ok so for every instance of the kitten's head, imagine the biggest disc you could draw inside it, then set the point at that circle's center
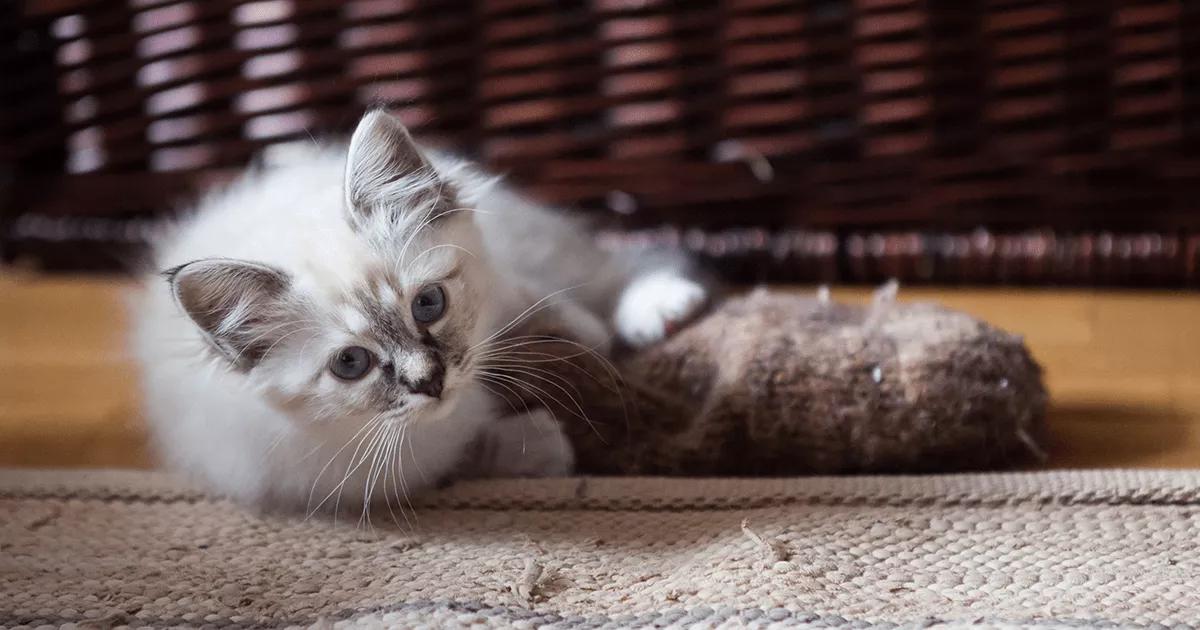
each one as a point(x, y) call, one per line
point(386, 331)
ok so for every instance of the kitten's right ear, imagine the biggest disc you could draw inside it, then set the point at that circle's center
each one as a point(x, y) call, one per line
point(240, 306)
point(384, 166)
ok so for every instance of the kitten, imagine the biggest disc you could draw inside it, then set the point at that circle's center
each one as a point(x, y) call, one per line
point(318, 339)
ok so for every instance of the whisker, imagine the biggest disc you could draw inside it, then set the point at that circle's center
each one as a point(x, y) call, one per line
point(393, 459)
point(526, 313)
point(437, 247)
point(377, 436)
point(275, 444)
point(250, 343)
point(367, 425)
point(505, 361)
point(505, 399)
point(535, 390)
point(424, 224)
point(400, 466)
point(575, 401)
point(278, 341)
point(613, 374)
point(416, 461)
point(374, 472)
point(535, 372)
point(528, 340)
point(367, 430)
point(496, 380)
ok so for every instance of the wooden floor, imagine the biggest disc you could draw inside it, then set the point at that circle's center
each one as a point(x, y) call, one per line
point(1123, 369)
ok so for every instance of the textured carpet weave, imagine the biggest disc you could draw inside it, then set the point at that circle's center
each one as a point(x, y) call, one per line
point(1037, 549)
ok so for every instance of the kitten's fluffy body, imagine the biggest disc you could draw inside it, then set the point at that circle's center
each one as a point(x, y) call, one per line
point(272, 276)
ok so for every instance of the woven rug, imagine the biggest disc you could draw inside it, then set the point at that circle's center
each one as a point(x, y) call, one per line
point(1034, 549)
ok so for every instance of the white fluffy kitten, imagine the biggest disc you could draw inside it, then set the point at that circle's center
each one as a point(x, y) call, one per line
point(318, 337)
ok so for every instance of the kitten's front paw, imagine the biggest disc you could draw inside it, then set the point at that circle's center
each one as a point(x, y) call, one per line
point(527, 445)
point(652, 306)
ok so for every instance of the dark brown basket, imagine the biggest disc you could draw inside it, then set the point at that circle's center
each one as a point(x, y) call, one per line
point(837, 140)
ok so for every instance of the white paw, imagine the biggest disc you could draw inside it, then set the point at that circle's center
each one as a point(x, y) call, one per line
point(528, 445)
point(652, 305)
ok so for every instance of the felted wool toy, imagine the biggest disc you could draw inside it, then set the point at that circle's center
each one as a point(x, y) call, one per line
point(779, 384)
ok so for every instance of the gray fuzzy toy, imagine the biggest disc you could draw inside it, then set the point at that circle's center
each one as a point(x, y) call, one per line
point(778, 384)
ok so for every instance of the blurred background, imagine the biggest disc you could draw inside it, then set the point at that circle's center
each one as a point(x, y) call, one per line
point(1034, 162)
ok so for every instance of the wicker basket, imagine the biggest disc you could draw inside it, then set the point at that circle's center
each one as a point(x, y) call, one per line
point(835, 140)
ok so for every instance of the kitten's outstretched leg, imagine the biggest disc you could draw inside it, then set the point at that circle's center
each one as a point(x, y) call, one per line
point(584, 327)
point(653, 304)
point(558, 315)
point(525, 445)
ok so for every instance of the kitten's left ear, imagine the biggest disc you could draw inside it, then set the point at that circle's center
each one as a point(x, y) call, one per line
point(385, 168)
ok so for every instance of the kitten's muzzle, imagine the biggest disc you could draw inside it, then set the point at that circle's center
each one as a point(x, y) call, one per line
point(430, 383)
point(418, 371)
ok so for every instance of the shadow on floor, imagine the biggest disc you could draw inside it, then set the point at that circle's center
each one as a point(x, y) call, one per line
point(1097, 435)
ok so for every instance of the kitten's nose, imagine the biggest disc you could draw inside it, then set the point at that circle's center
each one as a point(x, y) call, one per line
point(430, 383)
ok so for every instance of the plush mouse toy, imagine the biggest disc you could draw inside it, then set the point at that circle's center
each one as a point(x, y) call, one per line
point(779, 384)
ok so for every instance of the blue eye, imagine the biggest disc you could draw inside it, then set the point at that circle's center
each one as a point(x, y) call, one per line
point(429, 305)
point(352, 363)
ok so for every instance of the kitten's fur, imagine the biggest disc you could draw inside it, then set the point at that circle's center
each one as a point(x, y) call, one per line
point(270, 278)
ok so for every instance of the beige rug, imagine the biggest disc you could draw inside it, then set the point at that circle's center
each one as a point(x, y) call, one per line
point(1039, 549)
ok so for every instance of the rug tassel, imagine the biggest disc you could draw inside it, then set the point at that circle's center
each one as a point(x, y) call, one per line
point(774, 549)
